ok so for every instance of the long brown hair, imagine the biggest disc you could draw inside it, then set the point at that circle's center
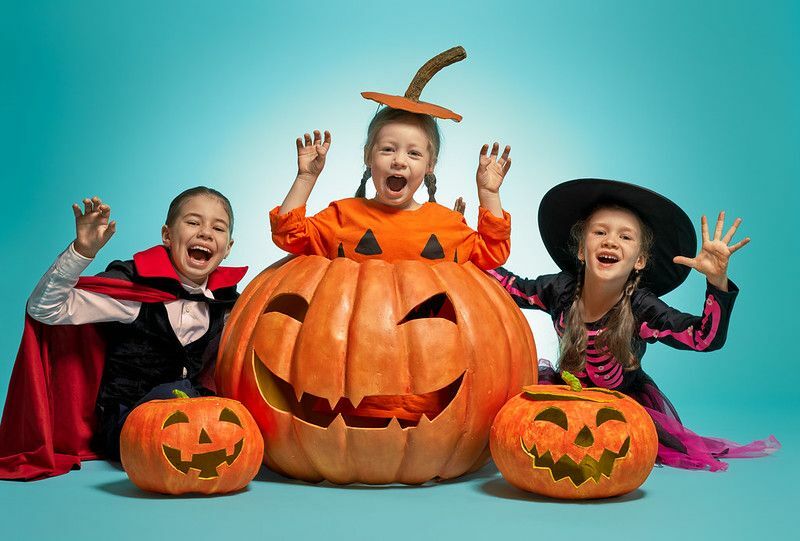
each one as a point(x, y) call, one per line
point(617, 335)
point(387, 115)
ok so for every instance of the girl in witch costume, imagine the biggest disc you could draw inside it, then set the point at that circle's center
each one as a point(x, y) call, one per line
point(400, 154)
point(618, 246)
point(99, 346)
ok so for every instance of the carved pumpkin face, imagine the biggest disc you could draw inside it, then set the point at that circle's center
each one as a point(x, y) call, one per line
point(374, 372)
point(208, 445)
point(593, 443)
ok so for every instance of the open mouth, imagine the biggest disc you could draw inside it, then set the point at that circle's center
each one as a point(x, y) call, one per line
point(199, 254)
point(396, 183)
point(375, 411)
point(578, 473)
point(607, 259)
point(207, 463)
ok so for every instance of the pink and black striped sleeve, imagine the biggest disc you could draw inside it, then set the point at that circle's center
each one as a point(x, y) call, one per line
point(707, 332)
point(537, 293)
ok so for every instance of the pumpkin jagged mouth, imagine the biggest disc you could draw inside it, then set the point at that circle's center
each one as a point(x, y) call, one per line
point(207, 463)
point(375, 411)
point(578, 473)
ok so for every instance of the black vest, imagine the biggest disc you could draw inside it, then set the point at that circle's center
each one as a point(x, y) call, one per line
point(146, 352)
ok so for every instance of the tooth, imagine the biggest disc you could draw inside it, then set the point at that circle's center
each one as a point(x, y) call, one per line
point(355, 399)
point(394, 426)
point(298, 393)
point(337, 426)
point(332, 402)
point(424, 421)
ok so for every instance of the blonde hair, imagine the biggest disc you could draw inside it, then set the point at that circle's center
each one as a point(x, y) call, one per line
point(388, 115)
point(617, 337)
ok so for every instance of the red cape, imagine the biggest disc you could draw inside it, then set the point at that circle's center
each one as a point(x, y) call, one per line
point(49, 418)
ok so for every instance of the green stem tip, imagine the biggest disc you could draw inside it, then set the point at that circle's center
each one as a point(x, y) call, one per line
point(179, 394)
point(573, 382)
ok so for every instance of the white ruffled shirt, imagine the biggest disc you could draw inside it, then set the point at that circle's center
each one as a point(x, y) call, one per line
point(55, 301)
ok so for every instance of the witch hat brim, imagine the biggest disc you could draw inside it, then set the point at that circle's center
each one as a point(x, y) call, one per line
point(673, 232)
point(410, 101)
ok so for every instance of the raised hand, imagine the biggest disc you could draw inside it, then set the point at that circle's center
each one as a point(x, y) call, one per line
point(491, 169)
point(712, 260)
point(311, 155)
point(460, 206)
point(92, 227)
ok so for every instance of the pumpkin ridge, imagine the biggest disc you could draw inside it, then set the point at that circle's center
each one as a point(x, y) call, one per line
point(228, 375)
point(491, 294)
point(480, 299)
point(309, 282)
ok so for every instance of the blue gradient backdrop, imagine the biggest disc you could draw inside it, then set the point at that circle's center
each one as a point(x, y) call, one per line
point(135, 101)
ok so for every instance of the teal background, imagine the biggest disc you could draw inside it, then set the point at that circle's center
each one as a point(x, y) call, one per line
point(136, 101)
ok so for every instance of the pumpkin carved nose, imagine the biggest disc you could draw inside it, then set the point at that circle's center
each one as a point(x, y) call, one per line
point(584, 437)
point(204, 437)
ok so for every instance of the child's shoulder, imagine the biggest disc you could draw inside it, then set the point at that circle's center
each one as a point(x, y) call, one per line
point(426, 211)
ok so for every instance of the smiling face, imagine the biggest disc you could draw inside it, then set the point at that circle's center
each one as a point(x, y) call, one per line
point(208, 445)
point(374, 372)
point(592, 443)
point(399, 159)
point(612, 245)
point(198, 239)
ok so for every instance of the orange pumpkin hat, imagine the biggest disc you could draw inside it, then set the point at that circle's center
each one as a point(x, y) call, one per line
point(410, 101)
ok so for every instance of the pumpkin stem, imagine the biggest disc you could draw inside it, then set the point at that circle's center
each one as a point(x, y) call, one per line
point(179, 394)
point(573, 382)
point(431, 67)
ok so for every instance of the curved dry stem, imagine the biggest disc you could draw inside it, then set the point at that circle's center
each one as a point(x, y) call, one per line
point(429, 69)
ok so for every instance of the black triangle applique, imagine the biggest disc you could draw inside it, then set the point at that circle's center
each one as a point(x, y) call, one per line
point(368, 245)
point(456, 257)
point(340, 251)
point(433, 250)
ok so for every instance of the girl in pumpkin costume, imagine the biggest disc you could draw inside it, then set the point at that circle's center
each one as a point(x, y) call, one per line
point(400, 154)
point(619, 247)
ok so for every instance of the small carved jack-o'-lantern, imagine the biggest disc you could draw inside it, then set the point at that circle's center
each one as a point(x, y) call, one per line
point(374, 372)
point(563, 443)
point(210, 445)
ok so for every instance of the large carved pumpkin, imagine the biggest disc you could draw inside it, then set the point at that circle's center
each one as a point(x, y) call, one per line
point(209, 445)
point(374, 372)
point(563, 443)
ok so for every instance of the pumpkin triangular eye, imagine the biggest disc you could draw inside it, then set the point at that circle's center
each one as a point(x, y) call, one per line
point(340, 251)
point(433, 249)
point(368, 245)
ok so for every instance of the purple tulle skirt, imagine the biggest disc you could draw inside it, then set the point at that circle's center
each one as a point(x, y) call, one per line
point(678, 446)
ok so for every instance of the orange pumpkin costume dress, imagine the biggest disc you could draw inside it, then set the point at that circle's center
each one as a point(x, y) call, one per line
point(361, 229)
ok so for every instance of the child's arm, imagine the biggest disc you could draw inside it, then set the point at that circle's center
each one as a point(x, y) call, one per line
point(491, 172)
point(540, 293)
point(55, 301)
point(662, 323)
point(492, 244)
point(310, 162)
point(687, 331)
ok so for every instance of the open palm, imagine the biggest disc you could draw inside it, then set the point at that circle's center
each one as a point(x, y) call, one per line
point(712, 260)
point(491, 169)
point(311, 154)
